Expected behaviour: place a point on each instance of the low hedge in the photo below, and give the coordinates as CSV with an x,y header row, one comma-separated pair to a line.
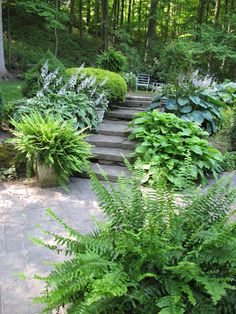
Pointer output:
x,y
115,85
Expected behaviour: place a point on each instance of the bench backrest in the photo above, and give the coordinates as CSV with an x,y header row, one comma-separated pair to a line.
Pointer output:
x,y
143,79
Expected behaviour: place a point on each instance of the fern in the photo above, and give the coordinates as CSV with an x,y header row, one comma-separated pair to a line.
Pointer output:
x,y
158,252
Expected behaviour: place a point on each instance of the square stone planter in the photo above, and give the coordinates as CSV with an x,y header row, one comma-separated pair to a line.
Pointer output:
x,y
46,176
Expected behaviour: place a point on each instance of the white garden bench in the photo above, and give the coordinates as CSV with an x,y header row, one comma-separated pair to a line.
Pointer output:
x,y
143,80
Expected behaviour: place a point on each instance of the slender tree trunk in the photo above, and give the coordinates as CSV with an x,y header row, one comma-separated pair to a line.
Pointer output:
x,y
152,23
122,12
118,12
200,15
114,13
55,31
9,33
72,15
207,10
3,70
216,13
81,18
88,17
167,21
104,23
96,11
129,13
139,15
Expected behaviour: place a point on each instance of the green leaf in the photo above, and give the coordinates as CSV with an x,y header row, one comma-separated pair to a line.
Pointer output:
x,y
183,101
185,109
195,99
197,116
171,104
196,149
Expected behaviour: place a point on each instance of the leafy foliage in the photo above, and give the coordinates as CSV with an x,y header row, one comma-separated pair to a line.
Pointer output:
x,y
165,141
115,86
33,81
153,255
111,60
130,79
232,133
229,161
69,106
201,108
8,174
52,142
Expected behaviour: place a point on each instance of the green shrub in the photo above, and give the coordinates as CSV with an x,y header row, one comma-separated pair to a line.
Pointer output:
x,y
232,133
152,256
131,80
69,106
33,80
229,161
175,61
165,141
111,60
115,86
201,108
52,142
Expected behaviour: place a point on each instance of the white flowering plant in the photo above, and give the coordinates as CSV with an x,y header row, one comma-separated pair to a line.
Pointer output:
x,y
195,99
77,99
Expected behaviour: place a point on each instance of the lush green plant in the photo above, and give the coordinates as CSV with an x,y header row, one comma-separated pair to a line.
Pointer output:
x,y
229,161
115,86
232,133
165,141
70,106
52,142
33,80
153,255
8,174
175,62
111,60
200,108
226,92
131,80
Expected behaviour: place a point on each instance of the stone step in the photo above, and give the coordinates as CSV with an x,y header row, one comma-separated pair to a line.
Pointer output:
x,y
119,128
139,98
137,103
113,172
101,140
111,154
123,113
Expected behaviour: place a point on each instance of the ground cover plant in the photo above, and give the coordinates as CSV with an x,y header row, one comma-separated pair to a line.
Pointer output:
x,y
165,141
111,60
50,141
153,255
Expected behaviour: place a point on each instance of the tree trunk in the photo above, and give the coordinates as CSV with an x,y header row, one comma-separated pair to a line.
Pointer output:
x,y
139,15
3,70
200,14
96,18
72,15
122,12
81,18
216,13
152,23
88,18
167,21
9,33
129,13
104,23
55,31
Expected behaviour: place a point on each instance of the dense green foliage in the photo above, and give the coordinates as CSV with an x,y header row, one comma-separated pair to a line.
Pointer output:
x,y
111,60
140,31
70,106
33,80
166,141
53,142
153,255
232,133
131,80
200,107
10,91
115,86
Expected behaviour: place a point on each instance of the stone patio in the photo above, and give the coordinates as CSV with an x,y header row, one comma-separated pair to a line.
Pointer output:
x,y
22,208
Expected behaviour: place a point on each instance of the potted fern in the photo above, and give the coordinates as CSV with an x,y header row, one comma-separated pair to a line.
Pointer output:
x,y
51,146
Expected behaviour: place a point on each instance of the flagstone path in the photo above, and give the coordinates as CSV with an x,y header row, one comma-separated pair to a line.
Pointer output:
x,y
22,208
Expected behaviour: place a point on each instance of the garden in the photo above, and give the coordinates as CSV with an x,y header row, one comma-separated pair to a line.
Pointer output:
x,y
118,162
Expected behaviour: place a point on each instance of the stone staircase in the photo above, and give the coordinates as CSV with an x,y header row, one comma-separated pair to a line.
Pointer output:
x,y
110,143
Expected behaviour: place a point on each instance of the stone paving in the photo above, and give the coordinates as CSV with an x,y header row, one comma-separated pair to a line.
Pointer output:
x,y
22,208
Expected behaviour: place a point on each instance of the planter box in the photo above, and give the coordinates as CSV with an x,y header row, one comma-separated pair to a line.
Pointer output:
x,y
46,176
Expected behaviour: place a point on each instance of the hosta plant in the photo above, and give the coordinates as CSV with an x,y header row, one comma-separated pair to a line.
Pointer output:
x,y
165,141
52,142
152,256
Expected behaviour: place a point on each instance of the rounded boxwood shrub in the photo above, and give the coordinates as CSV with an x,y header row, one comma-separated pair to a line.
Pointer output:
x,y
32,78
115,86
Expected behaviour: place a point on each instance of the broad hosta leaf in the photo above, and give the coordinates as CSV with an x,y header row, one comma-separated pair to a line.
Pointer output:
x,y
187,117
183,101
197,116
207,115
171,104
195,99
185,109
